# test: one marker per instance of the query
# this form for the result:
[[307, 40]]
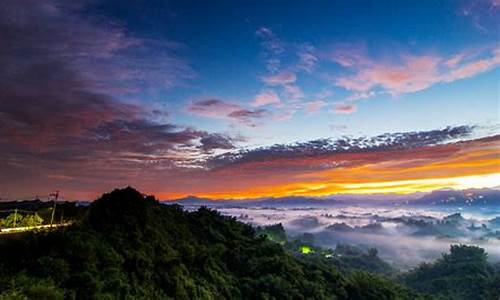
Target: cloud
[[282, 78], [273, 47], [414, 74], [266, 97], [321, 147], [62, 77], [68, 71], [344, 108], [338, 127], [285, 79], [388, 163], [215, 108], [411, 73], [482, 14], [249, 117], [473, 68], [216, 141], [348, 55], [314, 106], [293, 92], [307, 58], [403, 235], [46, 34]]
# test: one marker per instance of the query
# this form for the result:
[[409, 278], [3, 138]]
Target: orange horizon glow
[[402, 187], [465, 165]]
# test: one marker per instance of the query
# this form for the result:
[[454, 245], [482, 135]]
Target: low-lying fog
[[403, 236]]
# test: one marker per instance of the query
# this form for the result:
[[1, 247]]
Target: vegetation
[[346, 258], [128, 246], [464, 273], [37, 212], [16, 219]]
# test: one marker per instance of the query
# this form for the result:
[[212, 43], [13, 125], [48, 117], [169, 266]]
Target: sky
[[244, 99]]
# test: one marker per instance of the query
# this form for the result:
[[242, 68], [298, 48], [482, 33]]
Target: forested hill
[[130, 246]]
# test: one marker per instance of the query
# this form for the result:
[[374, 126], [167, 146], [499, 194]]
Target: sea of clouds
[[404, 237]]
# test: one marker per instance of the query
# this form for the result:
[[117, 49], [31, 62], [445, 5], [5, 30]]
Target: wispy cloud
[[483, 15], [307, 58], [410, 73], [344, 108], [273, 48], [267, 97], [321, 147], [293, 92], [314, 106], [281, 78], [215, 108]]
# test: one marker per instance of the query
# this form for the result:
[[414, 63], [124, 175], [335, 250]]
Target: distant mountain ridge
[[283, 201], [444, 197], [470, 197]]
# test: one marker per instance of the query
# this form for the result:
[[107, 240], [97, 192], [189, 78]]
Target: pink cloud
[[413, 73], [473, 68], [314, 106], [267, 97], [344, 108], [348, 55], [213, 108], [325, 93], [293, 91], [454, 60], [361, 95], [282, 78], [307, 58], [218, 109]]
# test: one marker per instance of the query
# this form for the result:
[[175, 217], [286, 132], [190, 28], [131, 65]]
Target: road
[[31, 228]]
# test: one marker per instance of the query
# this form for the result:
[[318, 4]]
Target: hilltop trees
[[464, 273], [129, 246]]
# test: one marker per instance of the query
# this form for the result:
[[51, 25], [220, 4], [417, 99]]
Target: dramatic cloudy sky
[[248, 98]]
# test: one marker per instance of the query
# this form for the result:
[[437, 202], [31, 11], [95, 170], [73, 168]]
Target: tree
[[31, 220], [464, 273], [13, 220]]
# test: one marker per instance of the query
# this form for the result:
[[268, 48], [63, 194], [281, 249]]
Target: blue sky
[[161, 92], [222, 45]]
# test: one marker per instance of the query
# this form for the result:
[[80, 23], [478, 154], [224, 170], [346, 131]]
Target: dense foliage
[[464, 273], [129, 246], [15, 220], [346, 258], [36, 212]]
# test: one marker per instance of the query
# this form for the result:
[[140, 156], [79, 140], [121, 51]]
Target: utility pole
[[15, 217], [62, 214], [55, 195]]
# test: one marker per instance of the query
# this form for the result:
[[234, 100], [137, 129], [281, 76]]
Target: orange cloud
[[458, 165]]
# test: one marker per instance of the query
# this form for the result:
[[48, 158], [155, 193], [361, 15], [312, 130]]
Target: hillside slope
[[129, 245]]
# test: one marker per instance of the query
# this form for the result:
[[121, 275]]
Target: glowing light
[[306, 250]]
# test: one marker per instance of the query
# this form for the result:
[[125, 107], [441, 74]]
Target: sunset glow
[[318, 100]]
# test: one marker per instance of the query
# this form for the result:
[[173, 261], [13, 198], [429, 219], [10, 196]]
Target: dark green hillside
[[130, 246], [464, 273]]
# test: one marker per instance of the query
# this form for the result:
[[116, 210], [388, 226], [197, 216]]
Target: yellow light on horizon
[[383, 187], [425, 185]]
